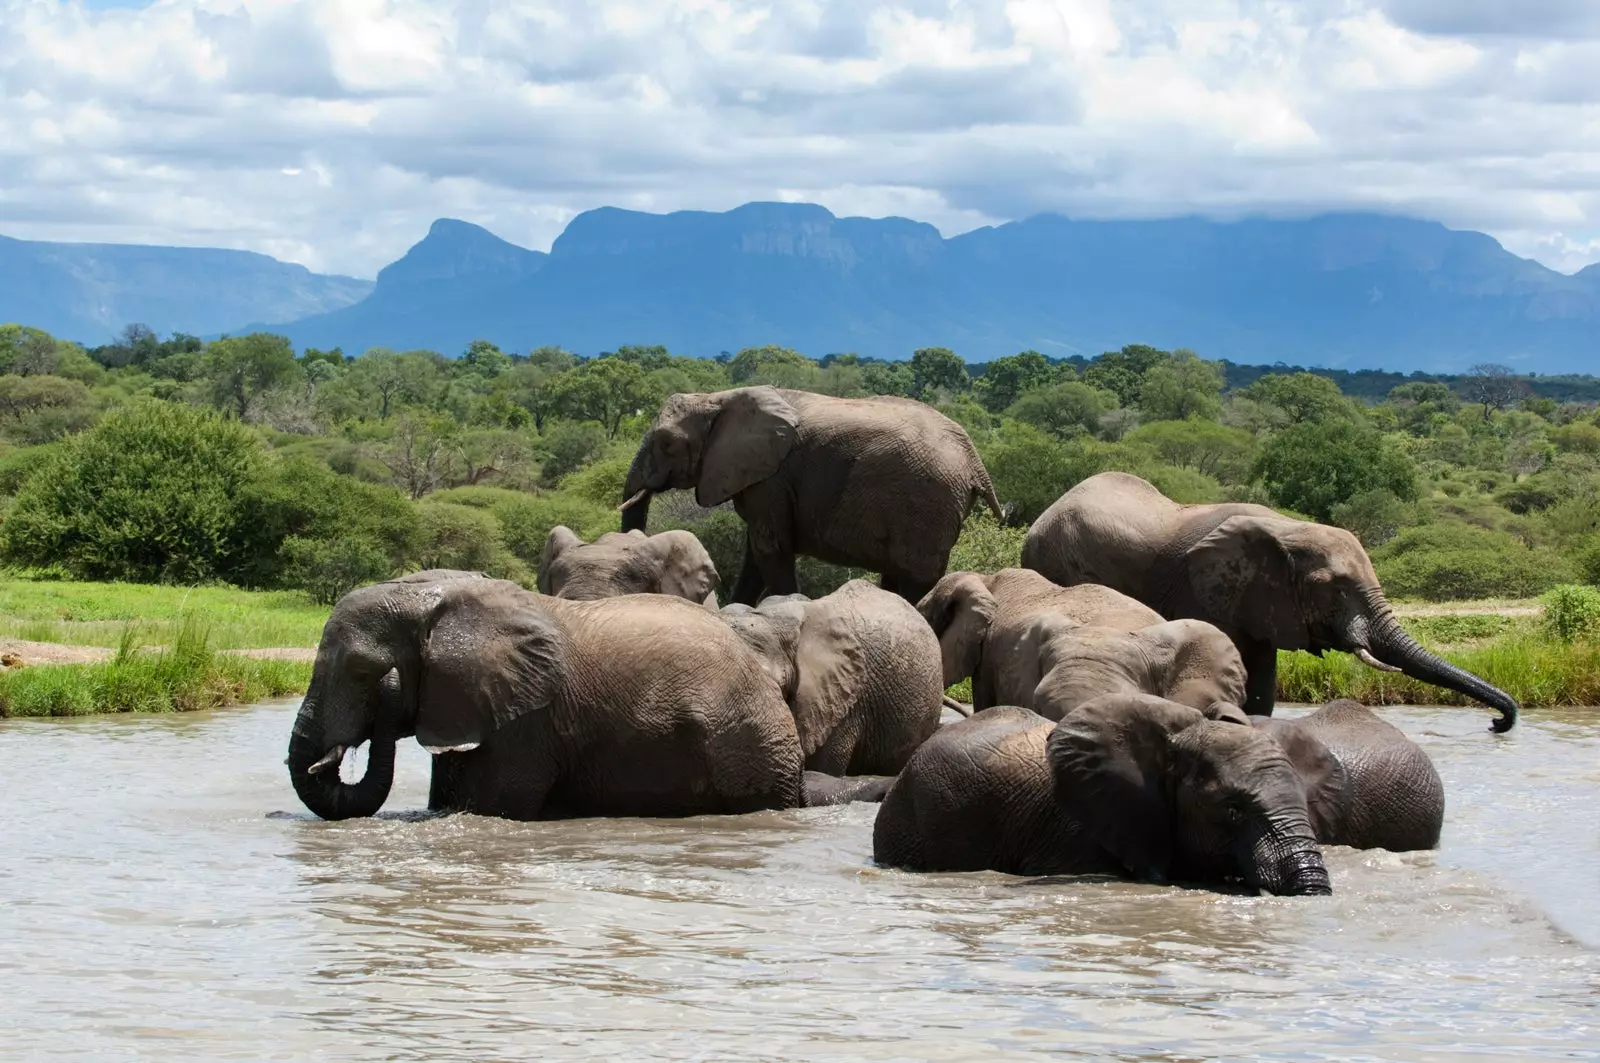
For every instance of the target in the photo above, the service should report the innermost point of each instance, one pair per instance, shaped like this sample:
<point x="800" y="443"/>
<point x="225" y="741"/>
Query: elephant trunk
<point x="1383" y="636"/>
<point x="636" y="492"/>
<point x="1286" y="861"/>
<point x="314" y="770"/>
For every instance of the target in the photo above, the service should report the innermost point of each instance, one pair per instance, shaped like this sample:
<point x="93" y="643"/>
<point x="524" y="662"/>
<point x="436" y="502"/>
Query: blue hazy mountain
<point x="88" y="292"/>
<point x="1342" y="290"/>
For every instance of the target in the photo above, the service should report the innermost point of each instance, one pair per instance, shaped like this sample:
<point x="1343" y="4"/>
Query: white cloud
<point x="332" y="132"/>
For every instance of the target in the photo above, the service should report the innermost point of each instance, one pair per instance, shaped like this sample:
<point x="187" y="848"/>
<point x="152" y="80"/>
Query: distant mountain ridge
<point x="1344" y="290"/>
<point x="88" y="292"/>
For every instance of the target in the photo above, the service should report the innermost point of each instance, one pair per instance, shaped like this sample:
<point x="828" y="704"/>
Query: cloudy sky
<point x="331" y="132"/>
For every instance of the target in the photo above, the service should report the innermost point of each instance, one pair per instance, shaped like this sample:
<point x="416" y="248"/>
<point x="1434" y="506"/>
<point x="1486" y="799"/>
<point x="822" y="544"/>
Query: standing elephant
<point x="860" y="670"/>
<point x="670" y="562"/>
<point x="882" y="484"/>
<point x="540" y="708"/>
<point x="1029" y="642"/>
<point x="1130" y="784"/>
<point x="1268" y="581"/>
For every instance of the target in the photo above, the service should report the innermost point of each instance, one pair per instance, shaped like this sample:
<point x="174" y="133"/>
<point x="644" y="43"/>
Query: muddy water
<point x="150" y="909"/>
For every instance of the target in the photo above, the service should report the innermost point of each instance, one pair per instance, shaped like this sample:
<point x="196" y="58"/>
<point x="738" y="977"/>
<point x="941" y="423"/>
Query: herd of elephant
<point x="1122" y="679"/>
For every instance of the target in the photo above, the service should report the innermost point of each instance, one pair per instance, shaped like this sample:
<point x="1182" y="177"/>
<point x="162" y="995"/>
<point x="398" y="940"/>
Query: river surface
<point x="150" y="908"/>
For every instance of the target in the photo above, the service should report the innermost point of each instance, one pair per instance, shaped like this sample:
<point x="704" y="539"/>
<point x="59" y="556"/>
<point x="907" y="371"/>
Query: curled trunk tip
<point x="1393" y="645"/>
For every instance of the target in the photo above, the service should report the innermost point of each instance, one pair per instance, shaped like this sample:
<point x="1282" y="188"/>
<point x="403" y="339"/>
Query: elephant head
<point x="1189" y="662"/>
<point x="449" y="661"/>
<point x="719" y="444"/>
<point x="670" y="562"/>
<point x="1305" y="586"/>
<point x="1173" y="795"/>
<point x="960" y="609"/>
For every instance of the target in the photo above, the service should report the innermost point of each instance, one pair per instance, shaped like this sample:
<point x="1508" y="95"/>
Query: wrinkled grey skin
<point x="1126" y="784"/>
<point x="1268" y="581"/>
<point x="540" y="708"/>
<point x="1026" y="641"/>
<point x="882" y="484"/>
<point x="670" y="562"/>
<point x="859" y="668"/>
<point x="1132" y="785"/>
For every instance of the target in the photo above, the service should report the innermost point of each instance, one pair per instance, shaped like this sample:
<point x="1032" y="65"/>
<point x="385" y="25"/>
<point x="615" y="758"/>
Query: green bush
<point x="1447" y="561"/>
<point x="1572" y="613"/>
<point x="986" y="546"/>
<point x="1313" y="466"/>
<point x="525" y="521"/>
<point x="456" y="536"/>
<point x="568" y="447"/>
<point x="1374" y="516"/>
<point x="150" y="494"/>
<point x="600" y="482"/>
<point x="328" y="569"/>
<point x="1030" y="469"/>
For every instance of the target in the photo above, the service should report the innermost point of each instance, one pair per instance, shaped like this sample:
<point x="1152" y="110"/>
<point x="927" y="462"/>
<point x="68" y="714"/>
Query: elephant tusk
<point x="1372" y="662"/>
<point x="465" y="747"/>
<point x="333" y="759"/>
<point x="631" y="502"/>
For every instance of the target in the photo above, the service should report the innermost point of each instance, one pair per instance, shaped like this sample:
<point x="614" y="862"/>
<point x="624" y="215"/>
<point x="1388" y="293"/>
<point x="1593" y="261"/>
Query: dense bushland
<point x="244" y="462"/>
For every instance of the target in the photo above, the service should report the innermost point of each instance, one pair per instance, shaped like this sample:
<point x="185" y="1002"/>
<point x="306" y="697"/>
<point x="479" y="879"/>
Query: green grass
<point x="186" y="676"/>
<point x="97" y="614"/>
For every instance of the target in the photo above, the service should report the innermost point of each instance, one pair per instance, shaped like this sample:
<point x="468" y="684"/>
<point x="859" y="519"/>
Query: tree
<point x="568" y="447"/>
<point x="1496" y="386"/>
<point x="605" y="390"/>
<point x="1031" y="469"/>
<point x="1121" y="372"/>
<point x="419" y="453"/>
<point x="394" y="378"/>
<point x="1301" y="396"/>
<point x="27" y="351"/>
<point x="241" y="369"/>
<point x="935" y="369"/>
<point x="1063" y="410"/>
<point x="1005" y="380"/>
<point x="649" y="358"/>
<point x="485" y="359"/>
<point x="1180" y="387"/>
<point x="1217" y="451"/>
<point x="748" y="363"/>
<point x="887" y="378"/>
<point x="1314" y="466"/>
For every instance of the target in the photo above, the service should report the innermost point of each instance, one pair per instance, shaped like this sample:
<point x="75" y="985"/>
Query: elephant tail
<point x="957" y="707"/>
<point x="984" y="489"/>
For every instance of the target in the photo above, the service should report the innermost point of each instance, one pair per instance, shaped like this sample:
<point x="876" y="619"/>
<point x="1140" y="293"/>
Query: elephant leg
<point x="777" y="572"/>
<point x="1261" y="680"/>
<point x="747" y="591"/>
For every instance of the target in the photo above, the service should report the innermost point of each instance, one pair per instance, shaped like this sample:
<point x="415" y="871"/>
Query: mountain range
<point x="1338" y="290"/>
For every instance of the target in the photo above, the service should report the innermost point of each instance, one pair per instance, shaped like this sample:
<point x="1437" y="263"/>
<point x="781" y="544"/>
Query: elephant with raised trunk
<point x="860" y="670"/>
<point x="1026" y="641"/>
<point x="881" y="484"/>
<point x="1137" y="786"/>
<point x="1270" y="582"/>
<point x="670" y="562"/>
<point x="540" y="708"/>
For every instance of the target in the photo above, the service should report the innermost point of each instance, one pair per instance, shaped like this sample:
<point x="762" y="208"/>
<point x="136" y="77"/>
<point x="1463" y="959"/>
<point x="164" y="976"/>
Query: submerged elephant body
<point x="539" y="708"/>
<point x="1137" y="786"/>
<point x="1031" y="643"/>
<point x="882" y="484"/>
<point x="859" y="668"/>
<point x="1267" y="581"/>
<point x="617" y="563"/>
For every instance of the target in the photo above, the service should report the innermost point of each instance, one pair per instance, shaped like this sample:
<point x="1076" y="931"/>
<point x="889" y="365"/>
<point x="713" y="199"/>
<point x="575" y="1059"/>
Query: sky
<point x="332" y="132"/>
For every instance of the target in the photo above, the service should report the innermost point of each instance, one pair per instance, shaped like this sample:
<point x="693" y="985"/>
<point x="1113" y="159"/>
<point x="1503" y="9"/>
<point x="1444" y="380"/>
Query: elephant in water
<point x="540" y="708"/>
<point x="882" y="484"/>
<point x="1138" y="786"/>
<point x="1026" y="641"/>
<point x="1268" y="581"/>
<point x="860" y="670"/>
<point x="670" y="562"/>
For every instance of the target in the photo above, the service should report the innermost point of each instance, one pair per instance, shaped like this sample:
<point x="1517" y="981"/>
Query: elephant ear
<point x="1326" y="781"/>
<point x="1111" y="759"/>
<point x="831" y="675"/>
<point x="560" y="539"/>
<point x="960" y="609"/>
<point x="1244" y="578"/>
<point x="749" y="439"/>
<point x="487" y="660"/>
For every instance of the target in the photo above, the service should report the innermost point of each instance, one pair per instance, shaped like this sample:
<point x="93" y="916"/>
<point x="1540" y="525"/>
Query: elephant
<point x="1135" y="785"/>
<point x="1028" y="642"/>
<point x="859" y="668"/>
<point x="882" y="484"/>
<point x="540" y="708"/>
<point x="669" y="562"/>
<point x="1270" y="582"/>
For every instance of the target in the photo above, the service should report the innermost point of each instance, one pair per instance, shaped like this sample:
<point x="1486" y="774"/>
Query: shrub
<point x="1572" y="613"/>
<point x="328" y="569"/>
<point x="986" y="546"/>
<point x="1218" y="451"/>
<point x="150" y="494"/>
<point x="1447" y="561"/>
<point x="526" y="520"/>
<point x="1313" y="466"/>
<point x="456" y="536"/>
<point x="1374" y="517"/>
<point x="1030" y="469"/>
<point x="600" y="483"/>
<point x="568" y="447"/>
